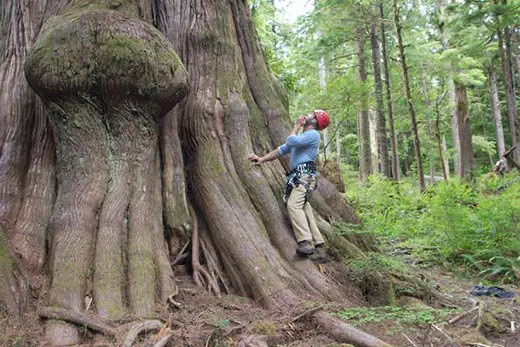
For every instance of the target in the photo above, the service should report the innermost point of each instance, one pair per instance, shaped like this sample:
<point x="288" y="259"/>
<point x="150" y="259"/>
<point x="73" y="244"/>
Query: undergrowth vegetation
<point x="453" y="223"/>
<point x="359" y="316"/>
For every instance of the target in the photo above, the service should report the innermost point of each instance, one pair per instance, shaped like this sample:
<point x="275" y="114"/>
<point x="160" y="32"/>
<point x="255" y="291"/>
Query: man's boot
<point x="305" y="247"/>
<point x="320" y="255"/>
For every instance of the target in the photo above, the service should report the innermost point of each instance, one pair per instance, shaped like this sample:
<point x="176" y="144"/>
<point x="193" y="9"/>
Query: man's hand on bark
<point x="255" y="159"/>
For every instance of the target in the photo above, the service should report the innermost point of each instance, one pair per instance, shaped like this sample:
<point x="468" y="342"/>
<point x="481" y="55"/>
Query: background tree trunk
<point x="96" y="182"/>
<point x="461" y="118"/>
<point x="393" y="136"/>
<point x="510" y="95"/>
<point x="381" y="122"/>
<point x="323" y="88"/>
<point x="365" y="162"/>
<point x="416" y="141"/>
<point x="495" y="108"/>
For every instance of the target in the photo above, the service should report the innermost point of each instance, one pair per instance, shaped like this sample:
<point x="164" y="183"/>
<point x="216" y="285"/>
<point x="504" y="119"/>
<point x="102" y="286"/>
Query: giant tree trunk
<point x="363" y="123"/>
<point x="411" y="112"/>
<point x="95" y="191"/>
<point x="381" y="122"/>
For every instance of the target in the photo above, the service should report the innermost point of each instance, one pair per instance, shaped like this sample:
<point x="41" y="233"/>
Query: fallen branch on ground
<point x="459" y="317"/>
<point x="306" y="313"/>
<point x="343" y="332"/>
<point x="409" y="339"/>
<point x="442" y="332"/>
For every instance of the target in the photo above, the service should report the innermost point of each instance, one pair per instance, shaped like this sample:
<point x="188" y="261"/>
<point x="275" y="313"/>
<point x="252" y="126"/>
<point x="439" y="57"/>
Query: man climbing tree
<point x="302" y="180"/>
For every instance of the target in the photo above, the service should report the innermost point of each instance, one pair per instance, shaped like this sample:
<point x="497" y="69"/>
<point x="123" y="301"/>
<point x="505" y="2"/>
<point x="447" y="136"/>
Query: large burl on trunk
<point x="126" y="127"/>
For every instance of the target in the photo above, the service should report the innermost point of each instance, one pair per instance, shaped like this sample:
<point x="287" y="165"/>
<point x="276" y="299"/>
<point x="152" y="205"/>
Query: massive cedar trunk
<point x="99" y="192"/>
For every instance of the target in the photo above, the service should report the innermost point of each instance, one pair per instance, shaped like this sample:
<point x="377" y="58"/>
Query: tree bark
<point x="461" y="117"/>
<point x="512" y="115"/>
<point x="416" y="141"/>
<point x="338" y="143"/>
<point x="381" y="122"/>
<point x="393" y="136"/>
<point x="124" y="115"/>
<point x="323" y="87"/>
<point x="441" y="144"/>
<point x="429" y="129"/>
<point x="494" y="103"/>
<point x="365" y="162"/>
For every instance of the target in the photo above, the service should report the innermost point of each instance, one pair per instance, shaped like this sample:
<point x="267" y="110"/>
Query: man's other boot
<point x="320" y="255"/>
<point x="305" y="247"/>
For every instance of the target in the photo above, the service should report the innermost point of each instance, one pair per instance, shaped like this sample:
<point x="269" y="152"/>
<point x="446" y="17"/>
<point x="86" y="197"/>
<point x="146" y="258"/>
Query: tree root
<point x="345" y="333"/>
<point x="78" y="319"/>
<point x="125" y="334"/>
<point x="134" y="329"/>
<point x="163" y="341"/>
<point x="204" y="276"/>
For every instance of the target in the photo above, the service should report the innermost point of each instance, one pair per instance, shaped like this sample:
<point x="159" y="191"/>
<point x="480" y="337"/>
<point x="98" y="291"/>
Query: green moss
<point x="262" y="327"/>
<point x="5" y="258"/>
<point x="91" y="50"/>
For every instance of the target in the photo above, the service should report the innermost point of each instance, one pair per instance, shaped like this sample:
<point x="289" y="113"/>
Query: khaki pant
<point x="301" y="215"/>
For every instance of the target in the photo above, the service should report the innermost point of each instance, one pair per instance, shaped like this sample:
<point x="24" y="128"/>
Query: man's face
<point x="309" y="119"/>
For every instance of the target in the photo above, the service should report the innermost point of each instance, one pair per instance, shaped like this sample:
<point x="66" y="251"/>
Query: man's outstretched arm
<point x="268" y="157"/>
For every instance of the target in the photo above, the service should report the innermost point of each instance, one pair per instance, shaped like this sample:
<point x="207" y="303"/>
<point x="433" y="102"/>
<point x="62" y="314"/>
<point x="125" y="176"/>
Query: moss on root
<point x="5" y="258"/>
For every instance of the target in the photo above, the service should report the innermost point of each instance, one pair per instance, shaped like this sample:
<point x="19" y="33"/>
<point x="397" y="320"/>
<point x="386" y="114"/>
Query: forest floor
<point x="206" y="321"/>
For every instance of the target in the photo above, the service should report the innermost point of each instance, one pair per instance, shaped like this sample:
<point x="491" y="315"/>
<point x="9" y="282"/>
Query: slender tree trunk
<point x="445" y="158"/>
<point x="441" y="143"/>
<point x="429" y="130"/>
<point x="510" y="95"/>
<point x="338" y="143"/>
<point x="451" y="90"/>
<point x="416" y="141"/>
<point x="461" y="116"/>
<point x="323" y="87"/>
<point x="495" y="108"/>
<point x="365" y="165"/>
<point x="393" y="136"/>
<point x="381" y="123"/>
<point x="374" y="141"/>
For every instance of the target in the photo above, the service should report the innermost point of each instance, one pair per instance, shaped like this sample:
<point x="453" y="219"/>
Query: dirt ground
<point x="201" y="320"/>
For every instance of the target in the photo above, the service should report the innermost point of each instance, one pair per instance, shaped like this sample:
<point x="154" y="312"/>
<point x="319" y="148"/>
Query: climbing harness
<point x="293" y="179"/>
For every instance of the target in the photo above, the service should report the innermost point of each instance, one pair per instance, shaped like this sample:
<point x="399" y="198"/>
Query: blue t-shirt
<point x="303" y="147"/>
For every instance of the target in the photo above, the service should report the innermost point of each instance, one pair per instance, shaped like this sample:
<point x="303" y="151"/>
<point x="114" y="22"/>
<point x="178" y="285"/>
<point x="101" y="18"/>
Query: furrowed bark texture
<point x="461" y="117"/>
<point x="106" y="78"/>
<point x="363" y="123"/>
<point x="381" y="121"/>
<point x="117" y="135"/>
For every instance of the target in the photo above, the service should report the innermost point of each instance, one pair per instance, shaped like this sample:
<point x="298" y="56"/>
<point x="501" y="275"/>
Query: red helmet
<point x="322" y="119"/>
